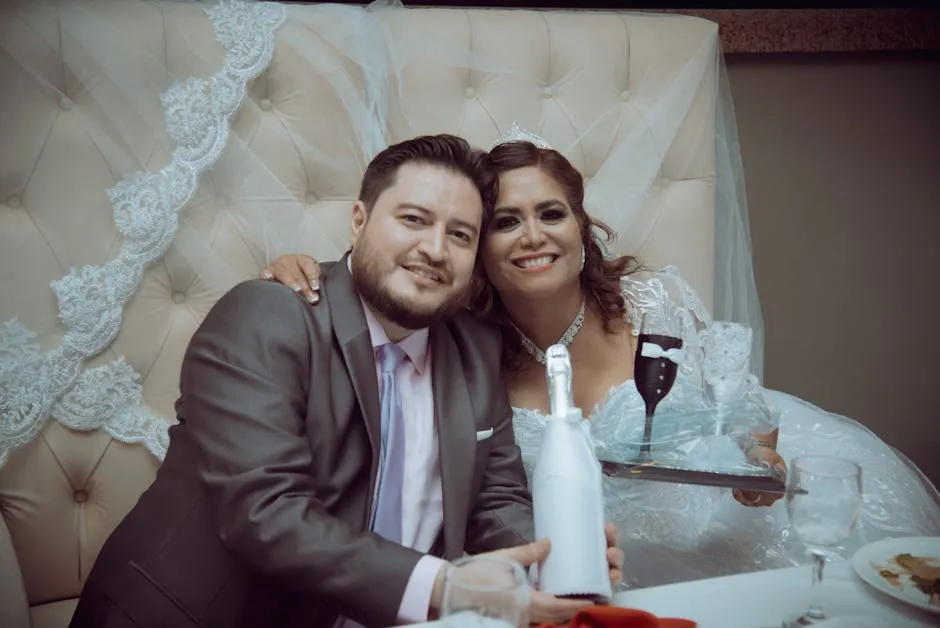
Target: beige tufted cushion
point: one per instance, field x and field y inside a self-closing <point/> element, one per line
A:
<point x="61" y="495"/>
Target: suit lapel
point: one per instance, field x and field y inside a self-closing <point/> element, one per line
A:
<point x="453" y="415"/>
<point x="352" y="333"/>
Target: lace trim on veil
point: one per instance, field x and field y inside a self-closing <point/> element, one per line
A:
<point x="35" y="386"/>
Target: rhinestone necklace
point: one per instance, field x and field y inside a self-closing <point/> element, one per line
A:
<point x="565" y="339"/>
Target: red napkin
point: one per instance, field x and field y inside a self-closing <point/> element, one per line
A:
<point x="616" y="617"/>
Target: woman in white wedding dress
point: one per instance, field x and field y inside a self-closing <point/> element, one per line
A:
<point x="549" y="281"/>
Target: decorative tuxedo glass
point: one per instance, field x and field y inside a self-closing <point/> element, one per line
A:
<point x="659" y="352"/>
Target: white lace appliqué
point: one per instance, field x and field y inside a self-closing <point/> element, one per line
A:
<point x="35" y="386"/>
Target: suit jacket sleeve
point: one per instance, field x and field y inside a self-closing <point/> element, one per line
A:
<point x="502" y="513"/>
<point x="245" y="385"/>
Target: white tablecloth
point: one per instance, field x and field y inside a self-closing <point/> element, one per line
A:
<point x="764" y="599"/>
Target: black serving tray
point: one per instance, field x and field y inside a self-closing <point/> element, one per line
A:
<point x="767" y="482"/>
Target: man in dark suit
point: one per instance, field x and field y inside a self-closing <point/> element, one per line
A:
<point x="283" y="498"/>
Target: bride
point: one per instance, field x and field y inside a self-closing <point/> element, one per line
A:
<point x="549" y="281"/>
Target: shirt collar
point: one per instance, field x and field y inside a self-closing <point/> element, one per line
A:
<point x="415" y="345"/>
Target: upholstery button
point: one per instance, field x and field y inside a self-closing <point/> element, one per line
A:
<point x="625" y="95"/>
<point x="547" y="92"/>
<point x="469" y="93"/>
<point x="80" y="496"/>
<point x="65" y="103"/>
<point x="311" y="198"/>
<point x="178" y="297"/>
<point x="13" y="202"/>
<point x="266" y="104"/>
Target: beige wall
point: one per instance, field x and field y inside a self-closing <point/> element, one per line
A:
<point x="842" y="163"/>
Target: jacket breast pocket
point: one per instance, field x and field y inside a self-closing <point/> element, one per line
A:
<point x="483" y="435"/>
<point x="146" y="602"/>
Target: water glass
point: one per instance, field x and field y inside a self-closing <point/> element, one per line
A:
<point x="824" y="502"/>
<point x="493" y="590"/>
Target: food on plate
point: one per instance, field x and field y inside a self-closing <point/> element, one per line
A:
<point x="893" y="577"/>
<point x="923" y="572"/>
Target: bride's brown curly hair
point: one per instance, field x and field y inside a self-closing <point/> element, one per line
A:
<point x="600" y="278"/>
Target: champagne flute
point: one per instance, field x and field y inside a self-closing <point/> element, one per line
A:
<point x="493" y="590"/>
<point x="824" y="502"/>
<point x="658" y="354"/>
<point x="726" y="352"/>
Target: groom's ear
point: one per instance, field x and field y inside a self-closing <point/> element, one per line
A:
<point x="360" y="216"/>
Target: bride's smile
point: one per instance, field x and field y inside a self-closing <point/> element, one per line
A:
<point x="535" y="263"/>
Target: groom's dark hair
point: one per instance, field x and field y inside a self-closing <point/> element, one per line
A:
<point x="447" y="151"/>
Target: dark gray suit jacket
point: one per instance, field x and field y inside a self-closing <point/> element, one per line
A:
<point x="259" y="514"/>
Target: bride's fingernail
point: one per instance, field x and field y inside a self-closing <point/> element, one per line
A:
<point x="267" y="275"/>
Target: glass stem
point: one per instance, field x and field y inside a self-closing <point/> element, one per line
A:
<point x="815" y="607"/>
<point x="647" y="436"/>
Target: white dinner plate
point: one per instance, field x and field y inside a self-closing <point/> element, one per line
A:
<point x="870" y="560"/>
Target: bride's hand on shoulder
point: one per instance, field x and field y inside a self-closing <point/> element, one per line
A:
<point x="300" y="273"/>
<point x="767" y="457"/>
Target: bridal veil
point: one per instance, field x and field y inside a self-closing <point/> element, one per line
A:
<point x="198" y="199"/>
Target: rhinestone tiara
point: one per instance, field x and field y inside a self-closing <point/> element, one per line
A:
<point x="518" y="134"/>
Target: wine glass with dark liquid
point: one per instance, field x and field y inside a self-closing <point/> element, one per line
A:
<point x="658" y="354"/>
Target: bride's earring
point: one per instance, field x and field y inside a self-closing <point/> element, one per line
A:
<point x="582" y="260"/>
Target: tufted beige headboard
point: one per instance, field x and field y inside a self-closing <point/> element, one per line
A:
<point x="64" y="491"/>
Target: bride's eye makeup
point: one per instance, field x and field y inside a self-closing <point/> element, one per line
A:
<point x="556" y="214"/>
<point x="504" y="222"/>
<point x="549" y="212"/>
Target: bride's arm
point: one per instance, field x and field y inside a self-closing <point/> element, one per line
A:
<point x="299" y="272"/>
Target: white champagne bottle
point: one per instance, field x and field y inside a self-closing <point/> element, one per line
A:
<point x="568" y="496"/>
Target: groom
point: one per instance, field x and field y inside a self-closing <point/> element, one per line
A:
<point x="325" y="456"/>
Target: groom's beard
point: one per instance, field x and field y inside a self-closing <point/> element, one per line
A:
<point x="405" y="312"/>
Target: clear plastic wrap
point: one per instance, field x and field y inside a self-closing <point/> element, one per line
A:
<point x="711" y="438"/>
<point x="705" y="428"/>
